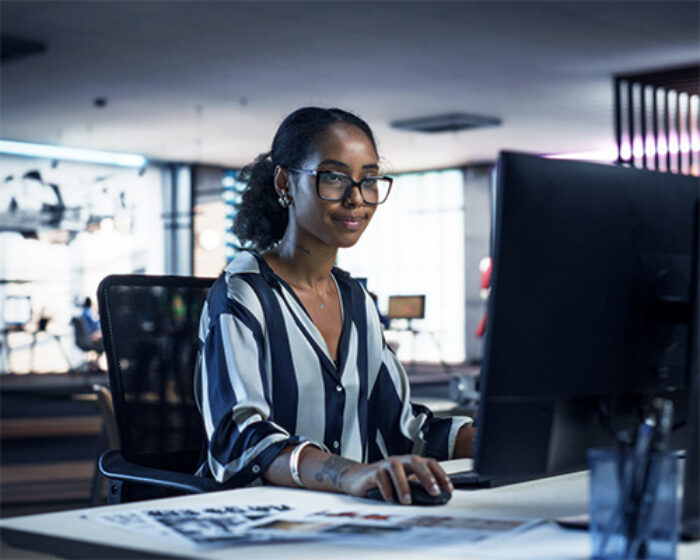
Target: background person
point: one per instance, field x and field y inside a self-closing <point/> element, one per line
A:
<point x="91" y="321"/>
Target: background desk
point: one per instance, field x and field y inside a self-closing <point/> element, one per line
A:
<point x="70" y="534"/>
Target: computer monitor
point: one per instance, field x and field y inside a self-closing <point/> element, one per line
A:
<point x="406" y="307"/>
<point x="17" y="311"/>
<point x="588" y="315"/>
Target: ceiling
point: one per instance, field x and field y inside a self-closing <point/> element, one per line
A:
<point x="211" y="81"/>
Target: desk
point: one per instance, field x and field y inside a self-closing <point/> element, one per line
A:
<point x="72" y="534"/>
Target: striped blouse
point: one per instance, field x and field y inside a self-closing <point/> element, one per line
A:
<point x="265" y="379"/>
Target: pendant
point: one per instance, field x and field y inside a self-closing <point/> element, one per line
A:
<point x="322" y="305"/>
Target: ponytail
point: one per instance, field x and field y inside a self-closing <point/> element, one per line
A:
<point x="260" y="219"/>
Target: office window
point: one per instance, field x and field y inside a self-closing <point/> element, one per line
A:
<point x="210" y="222"/>
<point x="217" y="194"/>
<point x="209" y="248"/>
<point x="415" y="245"/>
<point x="65" y="226"/>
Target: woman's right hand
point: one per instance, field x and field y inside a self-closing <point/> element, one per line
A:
<point x="320" y="470"/>
<point x="391" y="476"/>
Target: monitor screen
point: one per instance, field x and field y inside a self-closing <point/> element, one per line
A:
<point x="586" y="323"/>
<point x="406" y="307"/>
<point x="17" y="310"/>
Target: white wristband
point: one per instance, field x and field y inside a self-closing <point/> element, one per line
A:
<point x="294" y="461"/>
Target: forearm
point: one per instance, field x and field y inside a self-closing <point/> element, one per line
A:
<point x="464" y="446"/>
<point x="318" y="470"/>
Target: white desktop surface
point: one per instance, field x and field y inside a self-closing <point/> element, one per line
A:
<point x="546" y="498"/>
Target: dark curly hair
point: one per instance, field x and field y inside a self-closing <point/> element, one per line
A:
<point x="260" y="220"/>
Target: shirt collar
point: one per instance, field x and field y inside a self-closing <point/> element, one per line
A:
<point x="250" y="262"/>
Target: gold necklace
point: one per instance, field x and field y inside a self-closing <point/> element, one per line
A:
<point x="321" y="303"/>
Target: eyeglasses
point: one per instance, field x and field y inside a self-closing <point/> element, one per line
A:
<point x="335" y="186"/>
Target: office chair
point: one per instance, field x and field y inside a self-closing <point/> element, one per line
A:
<point x="150" y="328"/>
<point x="84" y="341"/>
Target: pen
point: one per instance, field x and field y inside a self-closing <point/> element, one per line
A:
<point x="633" y="481"/>
<point x="623" y="513"/>
<point x="638" y="547"/>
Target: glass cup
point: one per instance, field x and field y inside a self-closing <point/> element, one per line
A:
<point x="633" y="504"/>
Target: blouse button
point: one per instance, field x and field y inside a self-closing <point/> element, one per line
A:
<point x="339" y="388"/>
<point x="336" y="445"/>
<point x="256" y="469"/>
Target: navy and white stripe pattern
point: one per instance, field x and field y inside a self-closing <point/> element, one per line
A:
<point x="265" y="379"/>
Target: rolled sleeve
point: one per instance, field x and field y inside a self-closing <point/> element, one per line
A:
<point x="440" y="435"/>
<point x="432" y="437"/>
<point x="235" y="400"/>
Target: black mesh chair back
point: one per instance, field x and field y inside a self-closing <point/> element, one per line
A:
<point x="150" y="329"/>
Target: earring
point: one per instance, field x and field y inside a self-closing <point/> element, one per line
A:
<point x="285" y="200"/>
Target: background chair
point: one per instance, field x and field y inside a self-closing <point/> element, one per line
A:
<point x="84" y="341"/>
<point x="150" y="328"/>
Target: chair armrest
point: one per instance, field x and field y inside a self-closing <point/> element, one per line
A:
<point x="113" y="465"/>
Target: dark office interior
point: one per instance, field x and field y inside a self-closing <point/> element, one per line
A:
<point x="163" y="103"/>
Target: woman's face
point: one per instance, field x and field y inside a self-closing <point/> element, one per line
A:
<point x="345" y="149"/>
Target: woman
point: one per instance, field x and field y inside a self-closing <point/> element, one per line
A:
<point x="296" y="384"/>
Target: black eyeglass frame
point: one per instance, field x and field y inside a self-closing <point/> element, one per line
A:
<point x="316" y="173"/>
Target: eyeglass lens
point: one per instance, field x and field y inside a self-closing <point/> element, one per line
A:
<point x="333" y="186"/>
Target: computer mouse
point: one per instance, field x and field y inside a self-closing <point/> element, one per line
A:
<point x="419" y="495"/>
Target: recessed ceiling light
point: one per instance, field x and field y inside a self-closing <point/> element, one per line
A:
<point x="449" y="122"/>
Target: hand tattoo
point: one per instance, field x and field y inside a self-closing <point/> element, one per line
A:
<point x="334" y="468"/>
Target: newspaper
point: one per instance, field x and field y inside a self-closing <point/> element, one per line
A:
<point x="229" y="525"/>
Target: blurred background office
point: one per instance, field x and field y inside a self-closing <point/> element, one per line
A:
<point x="124" y="124"/>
